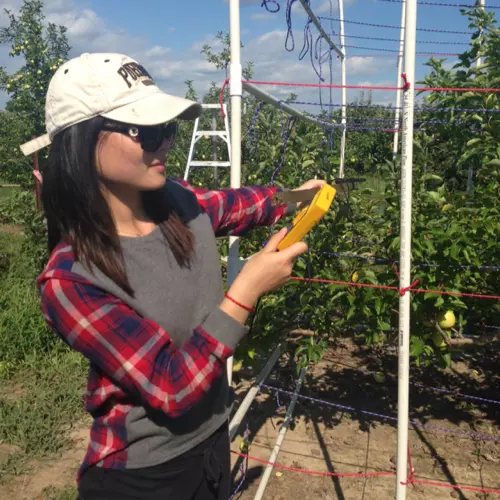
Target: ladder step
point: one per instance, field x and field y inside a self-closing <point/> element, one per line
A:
<point x="211" y="106"/>
<point x="210" y="164"/>
<point x="201" y="133"/>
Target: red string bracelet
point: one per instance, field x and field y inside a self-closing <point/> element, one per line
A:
<point x="249" y="309"/>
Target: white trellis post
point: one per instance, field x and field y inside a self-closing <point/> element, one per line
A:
<point x="405" y="251"/>
<point x="343" y="72"/>
<point x="470" y="172"/>
<point x="397" y="113"/>
<point x="236" y="92"/>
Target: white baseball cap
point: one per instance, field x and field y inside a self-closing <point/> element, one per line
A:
<point x="111" y="85"/>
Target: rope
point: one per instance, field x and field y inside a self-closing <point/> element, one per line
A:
<point x="452" y="486"/>
<point x="372" y="87"/>
<point x="311" y="472"/>
<point x="243" y="469"/>
<point x="397" y="51"/>
<point x="286" y="130"/>
<point x="394" y="288"/>
<point x="253" y="128"/>
<point x="420" y="386"/>
<point x="221" y="96"/>
<point x="416" y="108"/>
<point x="428" y="30"/>
<point x="265" y="3"/>
<point x="386" y="417"/>
<point x="398" y="40"/>
<point x="380" y="260"/>
<point x="442" y="4"/>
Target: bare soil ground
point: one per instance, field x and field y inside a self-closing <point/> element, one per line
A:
<point x="9" y="229"/>
<point x="56" y="471"/>
<point x="328" y="439"/>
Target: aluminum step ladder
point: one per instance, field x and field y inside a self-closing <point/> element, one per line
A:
<point x="214" y="133"/>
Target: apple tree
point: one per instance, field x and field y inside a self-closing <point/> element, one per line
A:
<point x="38" y="49"/>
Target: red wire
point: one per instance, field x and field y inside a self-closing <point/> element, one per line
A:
<point x="221" y="97"/>
<point x="452" y="486"/>
<point x="396" y="289"/>
<point x="458" y="294"/>
<point x="372" y="87"/>
<point x="410" y="465"/>
<point x="322" y="85"/>
<point x="455" y="89"/>
<point x="311" y="472"/>
<point x="367" y="474"/>
<point x="347" y="283"/>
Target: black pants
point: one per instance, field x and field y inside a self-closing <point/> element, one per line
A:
<point x="203" y="473"/>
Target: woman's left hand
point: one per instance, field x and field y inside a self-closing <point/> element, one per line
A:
<point x="311" y="184"/>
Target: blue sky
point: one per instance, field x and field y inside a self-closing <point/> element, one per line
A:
<point x="168" y="38"/>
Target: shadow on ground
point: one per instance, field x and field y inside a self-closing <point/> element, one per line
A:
<point x="345" y="377"/>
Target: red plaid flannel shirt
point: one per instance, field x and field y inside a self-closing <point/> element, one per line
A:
<point x="132" y="357"/>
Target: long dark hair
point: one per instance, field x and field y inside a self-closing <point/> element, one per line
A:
<point x="77" y="212"/>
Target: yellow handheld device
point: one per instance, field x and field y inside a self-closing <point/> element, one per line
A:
<point x="309" y="216"/>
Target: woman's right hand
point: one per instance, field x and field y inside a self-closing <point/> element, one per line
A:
<point x="265" y="271"/>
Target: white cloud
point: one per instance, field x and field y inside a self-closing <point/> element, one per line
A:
<point x="251" y="3"/>
<point x="329" y="6"/>
<point x="87" y="32"/>
<point x="265" y="16"/>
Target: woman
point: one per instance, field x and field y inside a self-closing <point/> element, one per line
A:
<point x="134" y="284"/>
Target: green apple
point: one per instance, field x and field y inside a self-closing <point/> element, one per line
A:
<point x="438" y="340"/>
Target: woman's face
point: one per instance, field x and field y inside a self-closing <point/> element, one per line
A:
<point x="122" y="162"/>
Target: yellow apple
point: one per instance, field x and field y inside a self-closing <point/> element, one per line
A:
<point x="446" y="319"/>
<point x="238" y="364"/>
<point x="379" y="377"/>
<point x="244" y="446"/>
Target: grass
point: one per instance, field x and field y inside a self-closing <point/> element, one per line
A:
<point x="41" y="379"/>
<point x="10" y="244"/>
<point x="51" y="493"/>
<point x="41" y="400"/>
<point x="5" y="192"/>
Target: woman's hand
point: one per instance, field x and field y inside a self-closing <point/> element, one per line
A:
<point x="311" y="184"/>
<point x="264" y="272"/>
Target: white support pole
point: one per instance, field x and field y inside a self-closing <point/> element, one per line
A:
<point x="214" y="149"/>
<point x="250" y="396"/>
<point x="397" y="113"/>
<point x="481" y="4"/>
<point x="191" y="149"/>
<point x="343" y="70"/>
<point x="316" y="22"/>
<point x="405" y="252"/>
<point x="236" y="92"/>
<point x="269" y="99"/>
<point x="470" y="172"/>
<point x="281" y="436"/>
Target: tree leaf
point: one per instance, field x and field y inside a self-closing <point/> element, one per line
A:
<point x="474" y="141"/>
<point x="494" y="163"/>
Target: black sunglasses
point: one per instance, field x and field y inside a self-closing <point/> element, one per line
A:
<point x="151" y="137"/>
